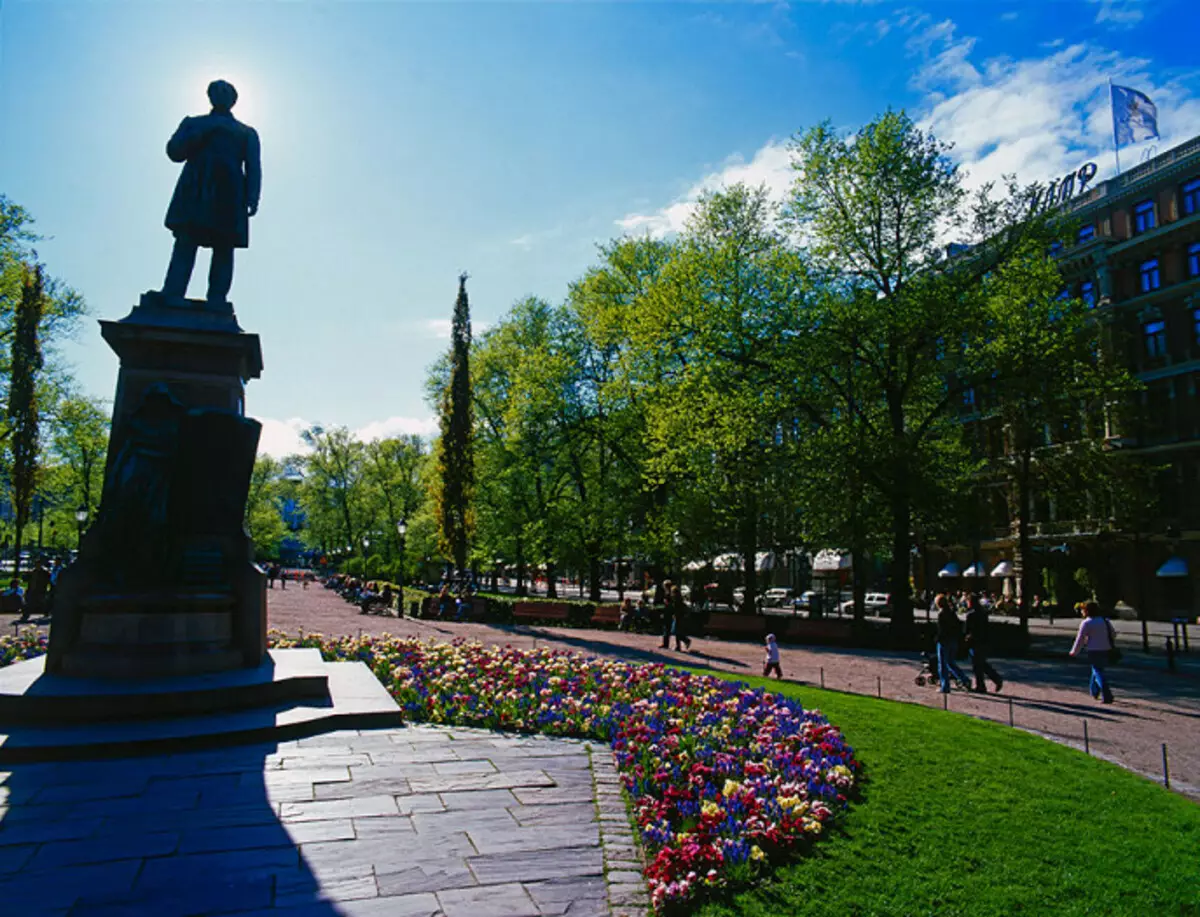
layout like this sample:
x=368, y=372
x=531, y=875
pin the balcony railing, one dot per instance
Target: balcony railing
x=1119, y=183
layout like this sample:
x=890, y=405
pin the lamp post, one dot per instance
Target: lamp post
x=401, y=531
x=81, y=516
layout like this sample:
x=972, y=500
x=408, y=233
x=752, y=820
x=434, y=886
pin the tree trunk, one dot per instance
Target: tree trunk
x=594, y=578
x=1028, y=567
x=551, y=581
x=749, y=548
x=520, y=567
x=902, y=609
x=858, y=566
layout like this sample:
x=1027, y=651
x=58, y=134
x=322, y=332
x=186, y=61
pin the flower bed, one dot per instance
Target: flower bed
x=26, y=644
x=723, y=778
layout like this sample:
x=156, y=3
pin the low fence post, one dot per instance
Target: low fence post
x=1166, y=768
x=822, y=678
x=1087, y=747
x=1010, y=712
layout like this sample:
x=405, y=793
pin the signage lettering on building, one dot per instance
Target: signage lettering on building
x=1061, y=190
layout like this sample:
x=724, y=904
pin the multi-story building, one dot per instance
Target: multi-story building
x=1137, y=259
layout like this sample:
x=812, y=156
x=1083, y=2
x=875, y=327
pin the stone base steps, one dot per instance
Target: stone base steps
x=293, y=694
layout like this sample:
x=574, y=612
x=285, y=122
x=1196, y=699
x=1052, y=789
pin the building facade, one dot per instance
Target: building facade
x=1136, y=260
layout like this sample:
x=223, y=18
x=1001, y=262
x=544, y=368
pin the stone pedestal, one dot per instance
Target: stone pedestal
x=165, y=582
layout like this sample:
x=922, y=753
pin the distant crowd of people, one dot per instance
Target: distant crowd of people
x=36, y=598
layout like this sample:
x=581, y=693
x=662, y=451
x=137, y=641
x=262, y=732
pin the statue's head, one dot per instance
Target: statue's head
x=222, y=95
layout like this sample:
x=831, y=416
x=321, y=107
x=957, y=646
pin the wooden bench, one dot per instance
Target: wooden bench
x=607, y=615
x=541, y=611
x=731, y=624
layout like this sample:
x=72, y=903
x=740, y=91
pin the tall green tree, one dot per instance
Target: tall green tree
x=264, y=521
x=1052, y=387
x=23, y=409
x=877, y=210
x=711, y=333
x=334, y=489
x=454, y=451
x=80, y=443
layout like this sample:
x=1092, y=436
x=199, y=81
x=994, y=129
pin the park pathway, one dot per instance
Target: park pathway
x=1044, y=695
x=418, y=821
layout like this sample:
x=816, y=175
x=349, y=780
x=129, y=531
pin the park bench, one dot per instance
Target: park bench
x=540, y=611
x=606, y=615
x=375, y=604
x=732, y=624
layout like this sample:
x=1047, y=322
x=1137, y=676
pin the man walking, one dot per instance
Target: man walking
x=949, y=632
x=977, y=646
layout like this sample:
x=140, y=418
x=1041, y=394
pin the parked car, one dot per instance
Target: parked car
x=806, y=600
x=777, y=598
x=876, y=604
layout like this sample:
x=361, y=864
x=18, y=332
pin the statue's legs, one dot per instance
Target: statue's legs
x=179, y=271
x=220, y=274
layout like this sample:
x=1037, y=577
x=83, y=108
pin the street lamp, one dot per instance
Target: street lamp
x=81, y=516
x=401, y=531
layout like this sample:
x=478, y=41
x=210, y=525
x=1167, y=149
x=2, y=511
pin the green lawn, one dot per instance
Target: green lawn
x=964, y=817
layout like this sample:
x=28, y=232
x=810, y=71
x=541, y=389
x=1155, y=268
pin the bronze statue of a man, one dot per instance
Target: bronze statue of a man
x=216, y=195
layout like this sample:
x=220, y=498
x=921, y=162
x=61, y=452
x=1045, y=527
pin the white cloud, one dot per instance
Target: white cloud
x=770, y=166
x=282, y=437
x=397, y=426
x=436, y=328
x=1119, y=14
x=1036, y=117
x=1043, y=116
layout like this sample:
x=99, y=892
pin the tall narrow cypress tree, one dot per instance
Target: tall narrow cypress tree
x=22, y=410
x=456, y=458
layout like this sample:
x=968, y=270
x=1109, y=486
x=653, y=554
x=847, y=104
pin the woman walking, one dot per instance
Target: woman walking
x=1096, y=633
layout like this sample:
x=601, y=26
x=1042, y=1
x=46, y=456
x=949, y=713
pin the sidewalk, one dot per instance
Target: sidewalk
x=1048, y=693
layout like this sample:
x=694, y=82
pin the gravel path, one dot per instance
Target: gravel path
x=1048, y=695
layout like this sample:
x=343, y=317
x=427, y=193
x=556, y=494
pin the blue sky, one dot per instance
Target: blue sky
x=405, y=142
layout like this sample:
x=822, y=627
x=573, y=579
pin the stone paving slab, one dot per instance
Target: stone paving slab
x=416, y=821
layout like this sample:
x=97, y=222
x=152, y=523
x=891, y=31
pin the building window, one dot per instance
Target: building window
x=1191, y=196
x=969, y=399
x=1086, y=233
x=1194, y=259
x=1155, y=334
x=1087, y=292
x=1055, y=249
x=1196, y=327
x=1150, y=278
x=1143, y=216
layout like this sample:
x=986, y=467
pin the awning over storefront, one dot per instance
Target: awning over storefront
x=1002, y=569
x=951, y=569
x=831, y=561
x=763, y=560
x=1175, y=567
x=975, y=570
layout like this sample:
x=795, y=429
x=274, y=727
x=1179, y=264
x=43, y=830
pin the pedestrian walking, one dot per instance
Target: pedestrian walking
x=1097, y=634
x=949, y=632
x=977, y=647
x=668, y=616
x=771, y=662
x=679, y=613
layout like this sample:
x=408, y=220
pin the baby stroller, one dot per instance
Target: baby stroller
x=928, y=675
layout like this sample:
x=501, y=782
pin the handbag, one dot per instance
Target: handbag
x=1114, y=654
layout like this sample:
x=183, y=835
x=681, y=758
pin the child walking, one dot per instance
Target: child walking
x=772, y=659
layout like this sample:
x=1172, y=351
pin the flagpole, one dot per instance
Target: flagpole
x=1112, y=104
